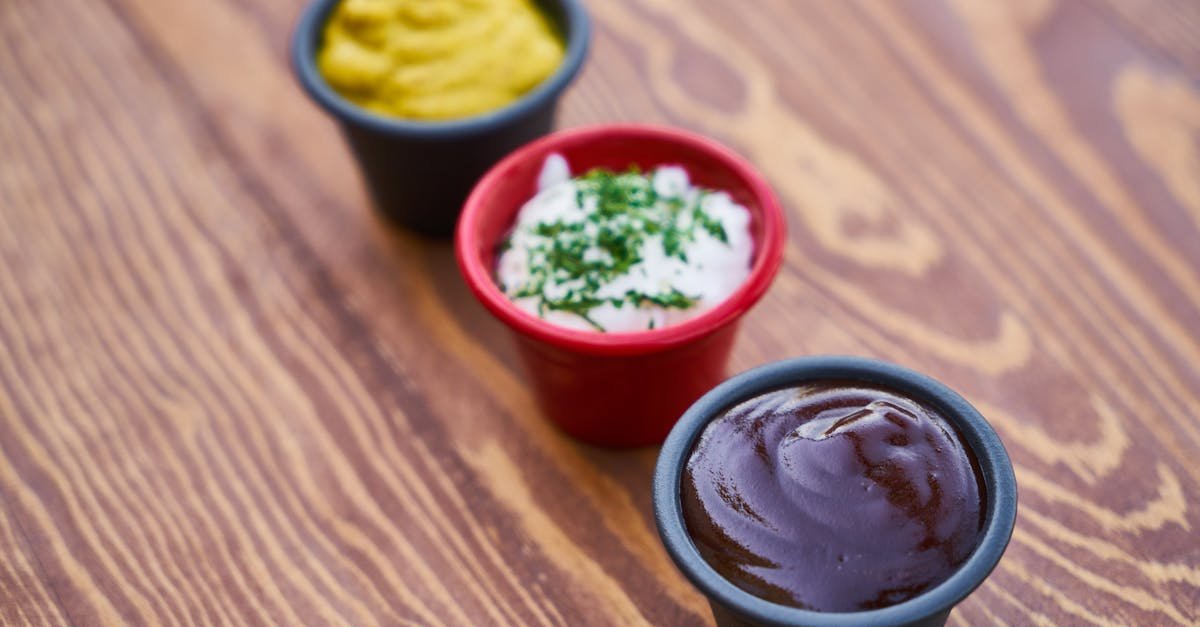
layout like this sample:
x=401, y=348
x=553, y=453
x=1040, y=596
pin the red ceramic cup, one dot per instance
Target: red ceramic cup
x=627, y=388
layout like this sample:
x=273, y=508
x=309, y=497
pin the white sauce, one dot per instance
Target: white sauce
x=714, y=269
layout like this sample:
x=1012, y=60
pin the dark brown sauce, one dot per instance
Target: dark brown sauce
x=833, y=497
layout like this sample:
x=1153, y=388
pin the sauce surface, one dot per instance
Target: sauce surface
x=437, y=59
x=623, y=251
x=834, y=496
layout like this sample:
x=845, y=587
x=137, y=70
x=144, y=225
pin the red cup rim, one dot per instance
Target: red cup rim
x=768, y=254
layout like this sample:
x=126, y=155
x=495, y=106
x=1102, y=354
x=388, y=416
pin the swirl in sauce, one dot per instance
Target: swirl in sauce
x=835, y=497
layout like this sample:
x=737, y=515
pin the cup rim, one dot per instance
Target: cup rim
x=999, y=484
x=768, y=253
x=306, y=36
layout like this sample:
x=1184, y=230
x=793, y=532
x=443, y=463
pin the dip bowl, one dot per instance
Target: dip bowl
x=733, y=606
x=619, y=389
x=419, y=172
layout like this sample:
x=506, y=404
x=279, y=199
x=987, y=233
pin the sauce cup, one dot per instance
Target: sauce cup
x=733, y=606
x=619, y=389
x=419, y=172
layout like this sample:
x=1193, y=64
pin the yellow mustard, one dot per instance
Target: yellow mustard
x=437, y=59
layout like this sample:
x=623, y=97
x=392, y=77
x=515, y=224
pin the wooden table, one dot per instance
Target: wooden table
x=228, y=394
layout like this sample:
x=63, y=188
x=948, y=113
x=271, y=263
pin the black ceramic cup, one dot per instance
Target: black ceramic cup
x=420, y=172
x=733, y=606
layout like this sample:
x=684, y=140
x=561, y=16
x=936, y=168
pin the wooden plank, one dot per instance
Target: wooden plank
x=228, y=394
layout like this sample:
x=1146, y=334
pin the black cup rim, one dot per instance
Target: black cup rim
x=306, y=38
x=999, y=482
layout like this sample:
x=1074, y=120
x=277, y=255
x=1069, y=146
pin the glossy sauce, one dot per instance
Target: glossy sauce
x=833, y=497
x=437, y=59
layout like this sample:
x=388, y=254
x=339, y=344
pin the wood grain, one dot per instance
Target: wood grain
x=229, y=395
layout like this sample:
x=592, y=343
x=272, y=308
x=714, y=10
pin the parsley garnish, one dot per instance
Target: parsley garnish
x=571, y=260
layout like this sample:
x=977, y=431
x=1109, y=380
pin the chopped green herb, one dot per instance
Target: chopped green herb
x=712, y=225
x=570, y=261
